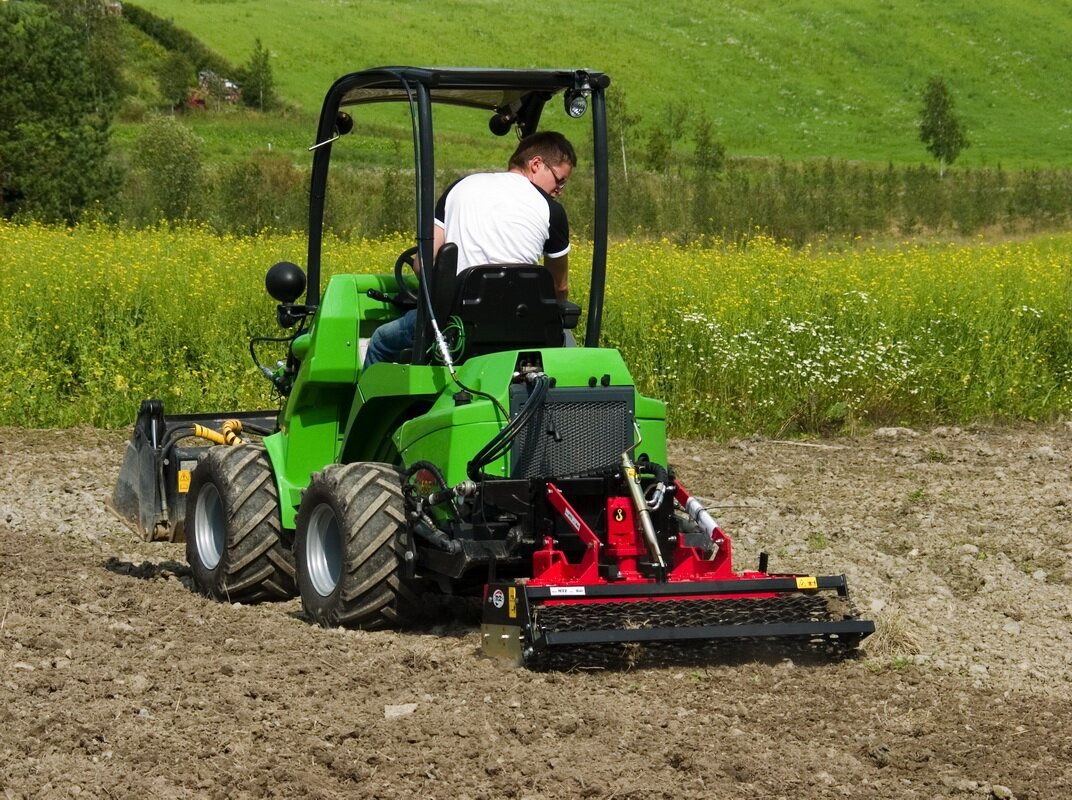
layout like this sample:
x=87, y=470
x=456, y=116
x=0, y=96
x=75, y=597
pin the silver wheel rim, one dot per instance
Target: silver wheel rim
x=323, y=550
x=210, y=532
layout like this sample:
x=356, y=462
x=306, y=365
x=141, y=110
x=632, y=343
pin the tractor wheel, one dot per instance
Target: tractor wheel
x=234, y=540
x=349, y=548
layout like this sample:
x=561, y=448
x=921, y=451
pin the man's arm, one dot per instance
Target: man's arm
x=437, y=242
x=559, y=267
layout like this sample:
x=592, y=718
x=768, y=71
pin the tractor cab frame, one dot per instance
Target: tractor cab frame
x=515, y=99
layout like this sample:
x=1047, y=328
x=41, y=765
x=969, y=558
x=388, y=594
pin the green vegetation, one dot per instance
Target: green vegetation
x=177, y=39
x=757, y=338
x=829, y=201
x=940, y=128
x=164, y=180
x=936, y=456
x=57, y=97
x=795, y=81
x=803, y=80
x=918, y=495
x=739, y=290
x=258, y=82
x=175, y=76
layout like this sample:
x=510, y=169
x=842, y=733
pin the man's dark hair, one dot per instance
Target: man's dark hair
x=551, y=146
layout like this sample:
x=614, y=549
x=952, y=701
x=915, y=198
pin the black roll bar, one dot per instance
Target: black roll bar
x=599, y=232
x=425, y=180
x=418, y=85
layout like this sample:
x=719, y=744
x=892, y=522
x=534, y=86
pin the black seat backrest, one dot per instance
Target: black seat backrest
x=507, y=307
x=444, y=279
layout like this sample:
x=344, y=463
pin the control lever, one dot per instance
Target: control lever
x=404, y=305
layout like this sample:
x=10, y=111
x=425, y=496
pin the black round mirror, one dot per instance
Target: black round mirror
x=285, y=282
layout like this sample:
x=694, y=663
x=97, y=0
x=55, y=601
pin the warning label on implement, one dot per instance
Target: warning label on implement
x=567, y=591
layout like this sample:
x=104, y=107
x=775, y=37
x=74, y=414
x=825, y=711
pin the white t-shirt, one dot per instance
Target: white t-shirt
x=501, y=218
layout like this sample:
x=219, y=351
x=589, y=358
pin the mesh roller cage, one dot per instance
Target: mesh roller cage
x=562, y=627
x=578, y=432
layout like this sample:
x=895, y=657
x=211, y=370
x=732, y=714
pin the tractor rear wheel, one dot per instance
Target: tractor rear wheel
x=349, y=548
x=234, y=540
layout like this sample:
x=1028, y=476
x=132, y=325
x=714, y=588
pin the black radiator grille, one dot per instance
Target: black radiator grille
x=577, y=432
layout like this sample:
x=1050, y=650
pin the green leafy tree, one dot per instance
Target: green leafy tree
x=104, y=48
x=708, y=159
x=216, y=89
x=940, y=128
x=56, y=106
x=175, y=77
x=709, y=155
x=166, y=172
x=621, y=126
x=258, y=85
x=661, y=138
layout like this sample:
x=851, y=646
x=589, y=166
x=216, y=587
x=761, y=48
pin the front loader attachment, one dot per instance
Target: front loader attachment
x=150, y=493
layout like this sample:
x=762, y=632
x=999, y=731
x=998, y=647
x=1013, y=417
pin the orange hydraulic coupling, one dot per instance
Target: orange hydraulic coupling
x=231, y=429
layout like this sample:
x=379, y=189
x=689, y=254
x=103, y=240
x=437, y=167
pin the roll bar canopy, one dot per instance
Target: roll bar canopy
x=514, y=97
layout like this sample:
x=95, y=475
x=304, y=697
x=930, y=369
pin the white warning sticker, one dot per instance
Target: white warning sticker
x=567, y=591
x=498, y=599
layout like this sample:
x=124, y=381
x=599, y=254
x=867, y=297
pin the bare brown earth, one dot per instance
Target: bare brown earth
x=117, y=681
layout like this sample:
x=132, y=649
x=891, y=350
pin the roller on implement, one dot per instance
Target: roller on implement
x=498, y=460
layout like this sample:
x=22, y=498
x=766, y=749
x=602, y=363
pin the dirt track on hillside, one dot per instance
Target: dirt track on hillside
x=117, y=681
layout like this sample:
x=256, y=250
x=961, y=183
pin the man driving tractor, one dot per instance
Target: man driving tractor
x=507, y=217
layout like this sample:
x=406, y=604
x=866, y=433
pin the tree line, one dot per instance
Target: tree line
x=671, y=176
x=61, y=84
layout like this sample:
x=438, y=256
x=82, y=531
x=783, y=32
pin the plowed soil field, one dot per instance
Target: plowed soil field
x=117, y=681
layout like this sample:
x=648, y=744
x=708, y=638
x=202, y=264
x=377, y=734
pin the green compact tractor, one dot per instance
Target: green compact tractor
x=494, y=461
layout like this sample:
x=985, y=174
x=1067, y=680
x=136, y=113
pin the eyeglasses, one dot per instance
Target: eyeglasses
x=559, y=182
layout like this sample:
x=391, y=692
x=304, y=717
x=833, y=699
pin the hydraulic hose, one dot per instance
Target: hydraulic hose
x=228, y=433
x=698, y=514
x=657, y=492
x=500, y=443
x=229, y=436
x=426, y=529
x=632, y=481
x=443, y=494
x=437, y=473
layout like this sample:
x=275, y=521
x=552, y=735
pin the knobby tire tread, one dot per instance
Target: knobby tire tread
x=372, y=592
x=257, y=565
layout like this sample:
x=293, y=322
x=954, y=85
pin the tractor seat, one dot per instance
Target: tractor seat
x=510, y=306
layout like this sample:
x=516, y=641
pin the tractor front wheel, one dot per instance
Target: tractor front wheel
x=234, y=541
x=349, y=547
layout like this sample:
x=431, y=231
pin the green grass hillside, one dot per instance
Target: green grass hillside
x=811, y=78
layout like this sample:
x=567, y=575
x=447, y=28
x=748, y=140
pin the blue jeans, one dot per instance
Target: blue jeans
x=390, y=339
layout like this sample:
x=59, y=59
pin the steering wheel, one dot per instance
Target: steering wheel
x=405, y=258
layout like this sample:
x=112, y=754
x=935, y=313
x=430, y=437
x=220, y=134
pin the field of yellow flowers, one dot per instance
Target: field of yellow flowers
x=761, y=338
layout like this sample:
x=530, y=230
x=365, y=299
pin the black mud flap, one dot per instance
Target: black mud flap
x=630, y=625
x=150, y=493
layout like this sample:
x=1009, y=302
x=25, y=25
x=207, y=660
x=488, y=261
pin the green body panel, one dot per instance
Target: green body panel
x=403, y=413
x=311, y=424
x=387, y=395
x=449, y=435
